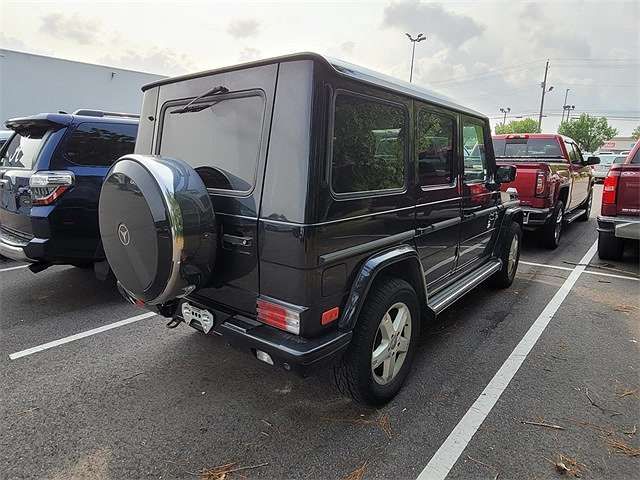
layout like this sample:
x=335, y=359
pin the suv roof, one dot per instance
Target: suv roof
x=341, y=67
x=66, y=119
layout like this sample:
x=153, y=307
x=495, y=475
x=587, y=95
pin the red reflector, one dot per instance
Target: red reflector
x=330, y=315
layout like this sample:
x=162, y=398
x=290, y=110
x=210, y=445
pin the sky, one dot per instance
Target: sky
x=484, y=54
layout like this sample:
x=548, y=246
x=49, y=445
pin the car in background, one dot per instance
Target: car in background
x=553, y=180
x=606, y=160
x=51, y=172
x=619, y=219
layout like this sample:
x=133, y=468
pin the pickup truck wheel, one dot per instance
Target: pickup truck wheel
x=609, y=246
x=587, y=206
x=379, y=358
x=510, y=256
x=552, y=230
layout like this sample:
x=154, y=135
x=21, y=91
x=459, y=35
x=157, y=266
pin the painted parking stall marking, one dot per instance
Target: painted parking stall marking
x=567, y=269
x=447, y=455
x=78, y=336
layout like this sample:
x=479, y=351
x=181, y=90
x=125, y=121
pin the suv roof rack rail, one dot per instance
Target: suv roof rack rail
x=101, y=113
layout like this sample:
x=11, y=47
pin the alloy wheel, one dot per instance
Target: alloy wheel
x=391, y=343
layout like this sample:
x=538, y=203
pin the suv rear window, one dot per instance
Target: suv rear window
x=527, y=148
x=221, y=142
x=22, y=150
x=368, y=145
x=99, y=144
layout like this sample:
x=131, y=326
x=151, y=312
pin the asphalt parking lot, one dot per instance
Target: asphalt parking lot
x=139, y=400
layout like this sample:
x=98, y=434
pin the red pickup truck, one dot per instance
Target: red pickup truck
x=553, y=180
x=619, y=218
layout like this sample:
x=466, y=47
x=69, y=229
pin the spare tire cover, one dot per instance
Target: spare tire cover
x=158, y=228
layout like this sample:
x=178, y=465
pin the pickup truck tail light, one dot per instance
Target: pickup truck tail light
x=610, y=192
x=280, y=315
x=541, y=183
x=47, y=186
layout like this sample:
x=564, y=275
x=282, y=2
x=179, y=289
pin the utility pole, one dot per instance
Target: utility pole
x=564, y=105
x=505, y=111
x=544, y=91
x=419, y=38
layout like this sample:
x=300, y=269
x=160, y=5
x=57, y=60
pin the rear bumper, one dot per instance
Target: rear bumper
x=620, y=227
x=13, y=247
x=535, y=217
x=291, y=352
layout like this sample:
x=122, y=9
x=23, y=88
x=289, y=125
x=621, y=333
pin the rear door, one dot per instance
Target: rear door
x=438, y=198
x=479, y=204
x=18, y=161
x=226, y=143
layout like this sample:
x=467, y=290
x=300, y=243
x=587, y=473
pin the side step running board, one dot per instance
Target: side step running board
x=453, y=292
x=574, y=215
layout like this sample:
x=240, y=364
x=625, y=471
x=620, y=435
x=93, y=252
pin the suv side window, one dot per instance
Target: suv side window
x=99, y=144
x=475, y=162
x=435, y=145
x=369, y=145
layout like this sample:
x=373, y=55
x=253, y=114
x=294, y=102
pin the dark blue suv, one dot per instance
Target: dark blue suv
x=51, y=172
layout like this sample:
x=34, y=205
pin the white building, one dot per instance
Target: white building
x=31, y=84
x=618, y=144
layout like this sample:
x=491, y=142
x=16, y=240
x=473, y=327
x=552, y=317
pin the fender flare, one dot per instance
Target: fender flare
x=511, y=214
x=367, y=274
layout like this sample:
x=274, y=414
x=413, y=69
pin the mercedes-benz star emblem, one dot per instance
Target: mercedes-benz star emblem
x=123, y=234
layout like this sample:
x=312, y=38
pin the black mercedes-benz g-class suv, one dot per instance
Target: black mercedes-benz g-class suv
x=310, y=212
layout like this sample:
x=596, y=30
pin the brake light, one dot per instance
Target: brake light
x=541, y=183
x=46, y=187
x=280, y=315
x=517, y=136
x=610, y=192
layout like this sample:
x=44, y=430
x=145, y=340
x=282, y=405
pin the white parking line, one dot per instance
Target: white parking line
x=449, y=452
x=78, y=336
x=602, y=274
x=13, y=268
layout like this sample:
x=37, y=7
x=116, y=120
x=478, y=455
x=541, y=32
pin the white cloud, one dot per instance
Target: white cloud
x=243, y=28
x=81, y=30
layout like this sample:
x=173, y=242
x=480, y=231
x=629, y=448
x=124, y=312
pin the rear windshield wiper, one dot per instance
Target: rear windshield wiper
x=190, y=107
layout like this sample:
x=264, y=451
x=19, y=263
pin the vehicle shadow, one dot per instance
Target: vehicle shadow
x=28, y=297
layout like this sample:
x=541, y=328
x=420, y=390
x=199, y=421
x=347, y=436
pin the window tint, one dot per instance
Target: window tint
x=368, y=145
x=99, y=144
x=221, y=142
x=538, y=148
x=22, y=151
x=475, y=166
x=434, y=139
x=636, y=157
x=573, y=157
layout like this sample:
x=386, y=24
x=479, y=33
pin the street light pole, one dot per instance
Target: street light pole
x=564, y=105
x=544, y=91
x=505, y=111
x=419, y=38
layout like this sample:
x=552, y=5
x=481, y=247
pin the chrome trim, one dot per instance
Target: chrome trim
x=435, y=202
x=451, y=294
x=428, y=188
x=365, y=247
x=13, y=250
x=175, y=223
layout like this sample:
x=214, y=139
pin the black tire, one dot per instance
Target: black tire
x=504, y=277
x=609, y=247
x=587, y=206
x=353, y=375
x=551, y=236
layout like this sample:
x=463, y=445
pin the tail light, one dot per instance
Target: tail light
x=46, y=187
x=610, y=192
x=541, y=183
x=280, y=315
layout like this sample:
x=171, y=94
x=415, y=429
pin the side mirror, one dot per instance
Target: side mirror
x=592, y=161
x=505, y=174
